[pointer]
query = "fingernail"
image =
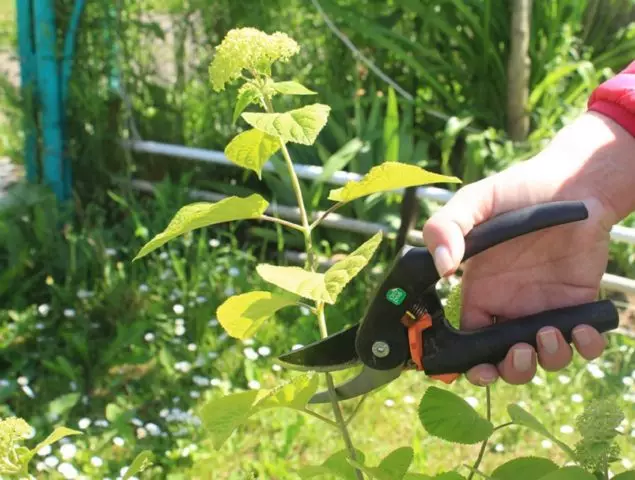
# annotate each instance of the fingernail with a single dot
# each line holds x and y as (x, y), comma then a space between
(522, 359)
(485, 378)
(581, 336)
(548, 340)
(443, 260)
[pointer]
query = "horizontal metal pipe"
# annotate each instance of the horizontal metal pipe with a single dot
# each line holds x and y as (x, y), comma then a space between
(619, 233)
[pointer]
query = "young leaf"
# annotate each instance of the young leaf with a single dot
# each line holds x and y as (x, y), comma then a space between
(246, 95)
(203, 214)
(447, 416)
(524, 468)
(251, 149)
(301, 125)
(292, 88)
(568, 473)
(342, 272)
(526, 419)
(393, 467)
(221, 416)
(55, 436)
(391, 128)
(295, 280)
(388, 176)
(242, 315)
(320, 287)
(139, 464)
(336, 465)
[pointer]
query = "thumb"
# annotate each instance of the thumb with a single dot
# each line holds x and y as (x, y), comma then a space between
(444, 231)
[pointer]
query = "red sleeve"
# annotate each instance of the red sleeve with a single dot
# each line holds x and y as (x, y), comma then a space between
(615, 98)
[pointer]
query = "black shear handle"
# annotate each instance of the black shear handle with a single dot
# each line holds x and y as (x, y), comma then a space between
(515, 223)
(456, 351)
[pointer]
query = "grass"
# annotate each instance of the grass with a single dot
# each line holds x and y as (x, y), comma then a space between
(125, 352)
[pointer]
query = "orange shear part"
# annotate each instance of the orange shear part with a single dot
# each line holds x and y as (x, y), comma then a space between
(415, 339)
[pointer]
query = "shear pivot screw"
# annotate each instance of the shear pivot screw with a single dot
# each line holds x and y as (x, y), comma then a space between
(380, 349)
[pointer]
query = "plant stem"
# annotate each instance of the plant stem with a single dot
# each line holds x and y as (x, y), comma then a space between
(357, 407)
(326, 214)
(321, 417)
(306, 228)
(295, 226)
(479, 459)
(339, 418)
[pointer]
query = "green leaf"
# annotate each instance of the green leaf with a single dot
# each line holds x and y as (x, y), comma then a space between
(388, 176)
(221, 416)
(292, 88)
(139, 464)
(242, 315)
(391, 128)
(245, 97)
(251, 149)
(526, 419)
(440, 476)
(203, 214)
(393, 467)
(447, 416)
(63, 404)
(568, 473)
(524, 468)
(342, 272)
(629, 475)
(321, 287)
(336, 465)
(301, 125)
(56, 436)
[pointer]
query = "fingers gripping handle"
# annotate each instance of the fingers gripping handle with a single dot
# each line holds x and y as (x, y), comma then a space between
(457, 351)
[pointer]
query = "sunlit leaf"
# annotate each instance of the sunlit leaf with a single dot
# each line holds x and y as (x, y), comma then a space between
(245, 97)
(296, 280)
(242, 315)
(291, 88)
(301, 125)
(388, 176)
(221, 416)
(55, 436)
(524, 468)
(393, 467)
(568, 473)
(448, 416)
(629, 475)
(321, 287)
(336, 465)
(251, 149)
(203, 214)
(342, 272)
(526, 419)
(139, 464)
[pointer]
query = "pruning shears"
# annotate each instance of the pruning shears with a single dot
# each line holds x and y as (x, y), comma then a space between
(405, 328)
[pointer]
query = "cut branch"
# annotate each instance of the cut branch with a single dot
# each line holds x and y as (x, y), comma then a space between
(518, 70)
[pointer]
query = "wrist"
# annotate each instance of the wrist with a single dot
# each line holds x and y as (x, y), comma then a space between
(595, 156)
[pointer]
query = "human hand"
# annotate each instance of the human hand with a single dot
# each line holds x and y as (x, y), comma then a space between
(552, 268)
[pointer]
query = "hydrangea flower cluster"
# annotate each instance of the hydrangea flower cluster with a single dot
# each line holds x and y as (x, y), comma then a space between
(249, 49)
(12, 431)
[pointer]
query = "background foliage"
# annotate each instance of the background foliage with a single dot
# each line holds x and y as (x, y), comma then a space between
(125, 352)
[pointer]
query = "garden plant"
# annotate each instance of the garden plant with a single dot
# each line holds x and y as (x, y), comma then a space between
(249, 55)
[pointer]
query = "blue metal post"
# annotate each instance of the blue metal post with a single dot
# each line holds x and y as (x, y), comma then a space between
(48, 82)
(28, 75)
(66, 68)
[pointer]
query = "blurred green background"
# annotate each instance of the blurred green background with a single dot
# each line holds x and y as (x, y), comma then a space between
(84, 331)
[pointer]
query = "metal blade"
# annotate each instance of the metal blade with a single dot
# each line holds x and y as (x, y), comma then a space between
(335, 352)
(367, 381)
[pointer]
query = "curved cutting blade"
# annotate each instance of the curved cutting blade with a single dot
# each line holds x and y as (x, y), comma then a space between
(335, 352)
(367, 381)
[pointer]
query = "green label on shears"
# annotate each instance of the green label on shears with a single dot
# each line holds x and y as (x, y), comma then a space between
(396, 296)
